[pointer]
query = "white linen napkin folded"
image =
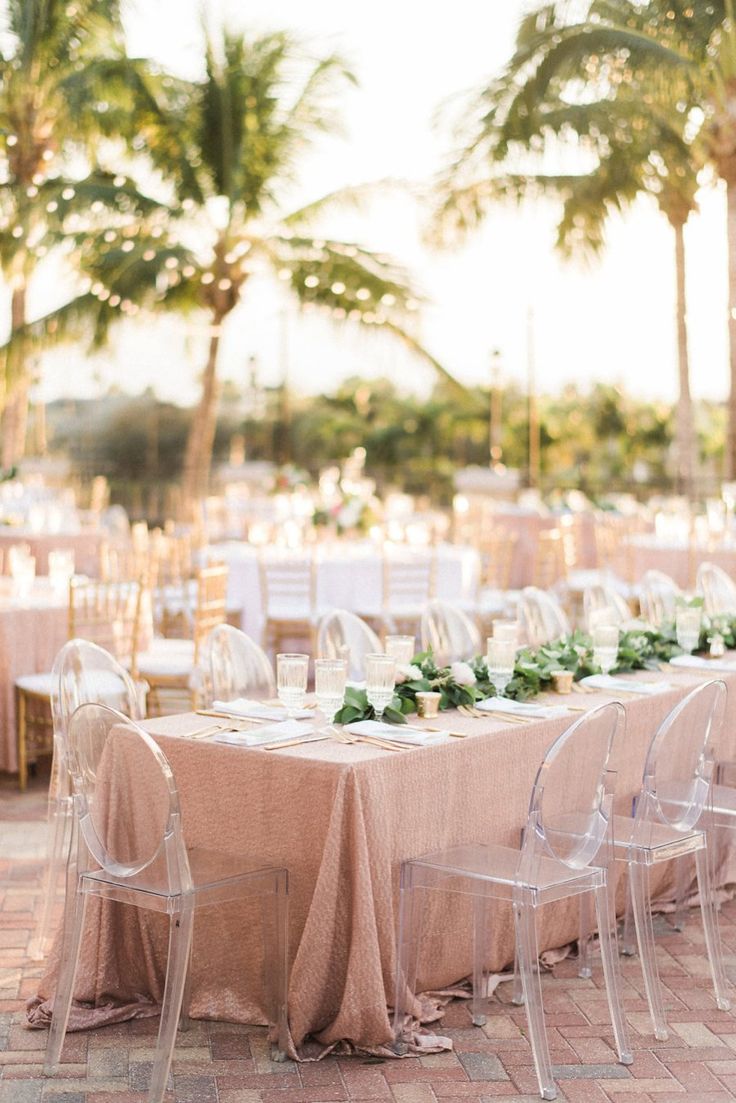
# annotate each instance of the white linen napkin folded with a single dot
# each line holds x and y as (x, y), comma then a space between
(398, 733)
(256, 710)
(697, 662)
(272, 733)
(622, 685)
(521, 708)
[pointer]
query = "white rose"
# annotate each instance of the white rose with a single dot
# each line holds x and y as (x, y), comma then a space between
(462, 674)
(409, 673)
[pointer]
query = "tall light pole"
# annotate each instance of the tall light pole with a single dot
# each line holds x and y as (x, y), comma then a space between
(496, 411)
(533, 410)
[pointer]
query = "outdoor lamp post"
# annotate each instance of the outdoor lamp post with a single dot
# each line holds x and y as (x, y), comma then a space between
(496, 410)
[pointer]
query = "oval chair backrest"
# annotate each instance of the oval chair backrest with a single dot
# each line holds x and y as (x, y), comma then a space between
(679, 763)
(84, 672)
(658, 597)
(604, 605)
(542, 617)
(571, 801)
(126, 801)
(717, 588)
(236, 665)
(339, 629)
(449, 633)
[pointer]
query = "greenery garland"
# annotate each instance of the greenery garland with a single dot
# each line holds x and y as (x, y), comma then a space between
(640, 648)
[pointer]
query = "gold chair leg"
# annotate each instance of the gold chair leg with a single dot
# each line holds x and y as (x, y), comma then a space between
(22, 729)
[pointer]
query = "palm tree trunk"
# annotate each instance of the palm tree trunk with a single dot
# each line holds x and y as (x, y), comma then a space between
(684, 430)
(730, 464)
(198, 454)
(15, 410)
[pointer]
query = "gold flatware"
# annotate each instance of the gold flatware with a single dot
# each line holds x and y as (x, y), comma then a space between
(511, 717)
(317, 738)
(202, 733)
(235, 716)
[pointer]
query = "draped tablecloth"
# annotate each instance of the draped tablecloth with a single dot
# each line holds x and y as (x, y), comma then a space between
(341, 818)
(85, 545)
(31, 632)
(349, 576)
(679, 559)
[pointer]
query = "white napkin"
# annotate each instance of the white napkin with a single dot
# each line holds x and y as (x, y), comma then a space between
(521, 708)
(272, 733)
(697, 662)
(621, 685)
(256, 710)
(398, 733)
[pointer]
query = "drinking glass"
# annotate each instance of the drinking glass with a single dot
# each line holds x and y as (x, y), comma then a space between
(400, 648)
(61, 568)
(506, 630)
(23, 571)
(605, 646)
(688, 620)
(291, 680)
(380, 678)
(330, 677)
(500, 660)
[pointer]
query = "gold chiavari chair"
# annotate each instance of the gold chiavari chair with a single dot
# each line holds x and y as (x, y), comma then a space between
(289, 598)
(497, 551)
(106, 613)
(549, 559)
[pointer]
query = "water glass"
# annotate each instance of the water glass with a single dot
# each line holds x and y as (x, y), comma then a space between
(23, 571)
(500, 660)
(605, 646)
(506, 630)
(291, 680)
(380, 679)
(688, 620)
(400, 648)
(330, 677)
(61, 568)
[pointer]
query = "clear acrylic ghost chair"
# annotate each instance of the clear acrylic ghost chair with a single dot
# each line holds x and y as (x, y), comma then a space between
(672, 812)
(602, 603)
(142, 860)
(542, 617)
(658, 596)
(717, 588)
(235, 666)
(82, 672)
(565, 852)
(450, 634)
(340, 629)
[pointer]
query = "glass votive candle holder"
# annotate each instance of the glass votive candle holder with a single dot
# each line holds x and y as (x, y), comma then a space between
(428, 704)
(400, 648)
(506, 630)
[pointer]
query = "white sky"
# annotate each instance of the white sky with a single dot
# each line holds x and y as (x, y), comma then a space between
(611, 321)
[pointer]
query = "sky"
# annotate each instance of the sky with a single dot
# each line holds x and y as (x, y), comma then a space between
(611, 320)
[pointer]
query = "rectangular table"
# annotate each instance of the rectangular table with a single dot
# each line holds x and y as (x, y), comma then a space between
(341, 818)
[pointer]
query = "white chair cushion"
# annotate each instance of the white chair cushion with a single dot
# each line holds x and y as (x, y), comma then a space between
(167, 658)
(36, 683)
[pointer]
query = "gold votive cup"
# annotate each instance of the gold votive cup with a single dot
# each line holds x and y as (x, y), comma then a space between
(428, 704)
(562, 680)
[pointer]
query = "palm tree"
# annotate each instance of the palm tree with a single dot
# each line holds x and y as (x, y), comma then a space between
(680, 55)
(59, 67)
(226, 150)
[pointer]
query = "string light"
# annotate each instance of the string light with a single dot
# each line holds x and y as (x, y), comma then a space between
(109, 235)
(48, 155)
(338, 288)
(311, 281)
(11, 140)
(284, 273)
(207, 277)
(171, 262)
(149, 254)
(127, 246)
(114, 300)
(32, 192)
(362, 294)
(388, 299)
(225, 285)
(68, 193)
(188, 271)
(118, 181)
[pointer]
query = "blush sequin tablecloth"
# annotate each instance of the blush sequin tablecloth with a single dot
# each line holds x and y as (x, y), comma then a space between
(341, 818)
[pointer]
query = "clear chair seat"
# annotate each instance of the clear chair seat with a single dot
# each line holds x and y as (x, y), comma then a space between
(214, 875)
(661, 842)
(499, 867)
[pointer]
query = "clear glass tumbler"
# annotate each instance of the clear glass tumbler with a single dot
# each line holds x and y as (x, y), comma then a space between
(330, 677)
(688, 620)
(605, 646)
(292, 671)
(500, 660)
(380, 679)
(400, 648)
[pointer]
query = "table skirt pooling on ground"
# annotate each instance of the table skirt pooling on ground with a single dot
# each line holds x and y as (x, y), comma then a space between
(341, 819)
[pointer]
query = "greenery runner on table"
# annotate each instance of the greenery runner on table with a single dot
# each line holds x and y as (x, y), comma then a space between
(640, 648)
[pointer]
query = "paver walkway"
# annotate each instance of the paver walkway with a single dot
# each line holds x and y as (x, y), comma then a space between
(224, 1063)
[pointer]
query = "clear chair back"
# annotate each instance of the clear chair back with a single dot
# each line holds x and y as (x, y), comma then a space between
(340, 629)
(571, 800)
(679, 763)
(450, 634)
(103, 744)
(601, 600)
(84, 672)
(717, 588)
(658, 597)
(236, 665)
(542, 617)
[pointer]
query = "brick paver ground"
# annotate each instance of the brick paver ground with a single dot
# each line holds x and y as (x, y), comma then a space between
(226, 1063)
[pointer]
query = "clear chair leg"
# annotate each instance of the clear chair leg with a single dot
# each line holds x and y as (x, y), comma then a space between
(710, 928)
(682, 883)
(517, 992)
(584, 936)
(60, 813)
(73, 927)
(642, 907)
(481, 906)
(407, 954)
(185, 1023)
(180, 940)
(275, 926)
(628, 937)
(609, 954)
(528, 950)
